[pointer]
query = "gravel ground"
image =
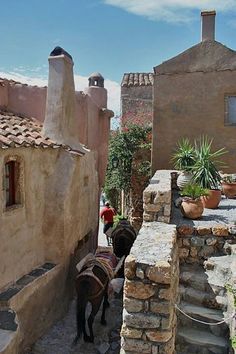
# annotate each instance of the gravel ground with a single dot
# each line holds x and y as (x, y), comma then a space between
(224, 214)
(59, 338)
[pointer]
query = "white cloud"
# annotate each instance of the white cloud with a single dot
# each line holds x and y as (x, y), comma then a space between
(81, 82)
(171, 10)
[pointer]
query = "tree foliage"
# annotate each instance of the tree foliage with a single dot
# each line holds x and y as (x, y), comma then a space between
(123, 145)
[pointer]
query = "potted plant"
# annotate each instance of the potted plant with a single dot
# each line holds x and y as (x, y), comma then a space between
(192, 205)
(205, 171)
(183, 159)
(229, 186)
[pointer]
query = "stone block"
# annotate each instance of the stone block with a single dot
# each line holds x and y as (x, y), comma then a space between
(160, 307)
(159, 336)
(130, 267)
(197, 241)
(155, 349)
(211, 241)
(131, 332)
(180, 242)
(220, 230)
(193, 252)
(138, 290)
(161, 218)
(167, 210)
(151, 208)
(148, 217)
(206, 251)
(169, 347)
(183, 252)
(140, 273)
(203, 231)
(185, 230)
(136, 346)
(186, 242)
(165, 294)
(141, 320)
(146, 197)
(160, 273)
(133, 305)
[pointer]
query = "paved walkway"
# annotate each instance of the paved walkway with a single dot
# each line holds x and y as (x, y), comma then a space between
(59, 338)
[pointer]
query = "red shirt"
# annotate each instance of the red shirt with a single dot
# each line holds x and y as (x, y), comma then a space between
(107, 214)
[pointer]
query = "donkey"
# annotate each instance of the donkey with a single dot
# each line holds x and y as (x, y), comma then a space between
(95, 273)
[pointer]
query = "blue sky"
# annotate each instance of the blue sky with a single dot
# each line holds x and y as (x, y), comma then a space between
(109, 36)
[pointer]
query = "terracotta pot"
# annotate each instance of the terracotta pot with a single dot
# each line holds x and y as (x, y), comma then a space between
(183, 179)
(212, 200)
(229, 189)
(192, 208)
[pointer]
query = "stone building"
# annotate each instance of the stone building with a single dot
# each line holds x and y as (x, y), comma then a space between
(136, 98)
(194, 94)
(189, 95)
(52, 168)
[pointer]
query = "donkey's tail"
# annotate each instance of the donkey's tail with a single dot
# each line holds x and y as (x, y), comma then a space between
(82, 300)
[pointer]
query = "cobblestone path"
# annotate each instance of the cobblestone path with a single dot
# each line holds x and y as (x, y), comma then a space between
(60, 337)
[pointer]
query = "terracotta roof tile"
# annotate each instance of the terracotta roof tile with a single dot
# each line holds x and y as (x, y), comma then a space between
(137, 79)
(16, 131)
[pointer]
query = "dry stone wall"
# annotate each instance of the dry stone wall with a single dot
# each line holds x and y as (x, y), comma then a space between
(151, 272)
(197, 244)
(157, 198)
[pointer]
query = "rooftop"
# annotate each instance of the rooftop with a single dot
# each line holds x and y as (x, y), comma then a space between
(17, 131)
(137, 79)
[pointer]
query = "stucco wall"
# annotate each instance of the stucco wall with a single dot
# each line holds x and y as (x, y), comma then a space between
(59, 189)
(190, 105)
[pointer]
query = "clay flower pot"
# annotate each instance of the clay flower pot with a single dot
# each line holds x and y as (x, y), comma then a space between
(229, 189)
(192, 208)
(183, 179)
(212, 200)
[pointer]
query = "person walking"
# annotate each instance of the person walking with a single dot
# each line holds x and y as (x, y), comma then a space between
(107, 214)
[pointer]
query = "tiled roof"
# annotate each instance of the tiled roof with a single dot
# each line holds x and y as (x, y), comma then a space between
(137, 79)
(16, 131)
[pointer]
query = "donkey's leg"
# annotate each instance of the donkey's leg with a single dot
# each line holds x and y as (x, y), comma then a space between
(95, 307)
(105, 305)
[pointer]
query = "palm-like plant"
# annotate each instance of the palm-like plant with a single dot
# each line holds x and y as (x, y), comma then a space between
(205, 169)
(184, 156)
(194, 191)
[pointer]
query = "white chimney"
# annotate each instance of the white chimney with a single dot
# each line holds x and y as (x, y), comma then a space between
(208, 25)
(60, 122)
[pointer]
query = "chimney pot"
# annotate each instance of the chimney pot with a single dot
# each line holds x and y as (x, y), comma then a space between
(208, 25)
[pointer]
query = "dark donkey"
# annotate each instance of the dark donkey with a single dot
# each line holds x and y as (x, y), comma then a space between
(95, 273)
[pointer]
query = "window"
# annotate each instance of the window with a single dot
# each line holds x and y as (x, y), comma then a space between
(230, 110)
(11, 182)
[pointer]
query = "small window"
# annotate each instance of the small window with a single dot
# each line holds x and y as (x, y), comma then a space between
(230, 110)
(11, 183)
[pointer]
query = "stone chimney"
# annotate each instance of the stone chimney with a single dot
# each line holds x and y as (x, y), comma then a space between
(60, 122)
(96, 90)
(208, 25)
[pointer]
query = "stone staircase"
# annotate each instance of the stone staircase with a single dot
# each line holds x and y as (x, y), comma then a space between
(203, 302)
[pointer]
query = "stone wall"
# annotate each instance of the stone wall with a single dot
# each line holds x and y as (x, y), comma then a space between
(197, 244)
(157, 198)
(136, 105)
(151, 272)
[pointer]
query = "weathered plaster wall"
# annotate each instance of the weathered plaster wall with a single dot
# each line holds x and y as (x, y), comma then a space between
(190, 105)
(59, 190)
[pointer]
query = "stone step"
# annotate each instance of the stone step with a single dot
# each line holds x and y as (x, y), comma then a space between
(194, 341)
(194, 278)
(198, 297)
(203, 314)
(8, 332)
